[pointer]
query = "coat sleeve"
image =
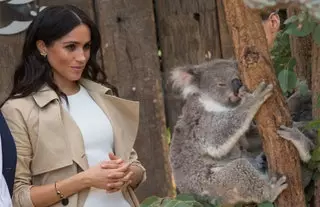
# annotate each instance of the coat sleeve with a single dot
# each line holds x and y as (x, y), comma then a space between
(133, 159)
(18, 128)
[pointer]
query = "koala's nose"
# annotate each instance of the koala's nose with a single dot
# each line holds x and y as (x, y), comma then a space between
(236, 85)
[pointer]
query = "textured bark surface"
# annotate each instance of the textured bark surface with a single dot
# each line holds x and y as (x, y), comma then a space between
(225, 38)
(255, 65)
(301, 51)
(129, 52)
(188, 33)
(315, 65)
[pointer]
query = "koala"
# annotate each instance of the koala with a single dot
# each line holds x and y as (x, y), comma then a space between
(301, 142)
(300, 108)
(206, 152)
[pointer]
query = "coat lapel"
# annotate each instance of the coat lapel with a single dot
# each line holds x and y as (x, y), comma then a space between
(124, 125)
(75, 139)
(123, 115)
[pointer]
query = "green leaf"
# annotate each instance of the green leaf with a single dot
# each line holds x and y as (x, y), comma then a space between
(303, 87)
(185, 197)
(316, 34)
(313, 124)
(300, 30)
(176, 203)
(149, 201)
(316, 155)
(265, 204)
(288, 80)
(291, 19)
(292, 62)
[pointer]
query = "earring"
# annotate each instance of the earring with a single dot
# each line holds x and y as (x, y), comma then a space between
(43, 54)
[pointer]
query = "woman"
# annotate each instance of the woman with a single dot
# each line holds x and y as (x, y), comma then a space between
(65, 124)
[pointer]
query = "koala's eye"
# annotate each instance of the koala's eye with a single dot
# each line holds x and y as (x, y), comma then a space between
(222, 84)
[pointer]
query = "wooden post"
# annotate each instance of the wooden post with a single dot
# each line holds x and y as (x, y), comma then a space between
(315, 65)
(255, 65)
(188, 33)
(129, 53)
(225, 38)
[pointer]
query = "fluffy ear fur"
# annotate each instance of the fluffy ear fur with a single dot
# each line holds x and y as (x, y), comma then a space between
(185, 79)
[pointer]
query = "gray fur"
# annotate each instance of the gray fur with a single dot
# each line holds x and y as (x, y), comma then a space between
(206, 153)
(300, 107)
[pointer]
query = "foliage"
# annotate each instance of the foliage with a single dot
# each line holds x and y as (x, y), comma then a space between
(284, 65)
(311, 6)
(301, 25)
(186, 200)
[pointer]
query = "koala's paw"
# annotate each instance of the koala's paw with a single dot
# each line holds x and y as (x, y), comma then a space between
(277, 186)
(263, 90)
(260, 88)
(288, 133)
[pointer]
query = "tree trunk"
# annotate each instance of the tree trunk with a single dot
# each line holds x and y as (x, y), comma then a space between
(301, 51)
(251, 51)
(315, 60)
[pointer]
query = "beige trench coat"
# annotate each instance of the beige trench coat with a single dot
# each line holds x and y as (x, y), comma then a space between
(50, 146)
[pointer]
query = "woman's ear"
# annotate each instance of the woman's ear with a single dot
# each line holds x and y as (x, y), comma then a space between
(42, 48)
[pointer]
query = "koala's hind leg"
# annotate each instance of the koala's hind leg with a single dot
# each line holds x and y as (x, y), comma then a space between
(239, 181)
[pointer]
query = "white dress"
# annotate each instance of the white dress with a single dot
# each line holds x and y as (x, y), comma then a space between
(97, 136)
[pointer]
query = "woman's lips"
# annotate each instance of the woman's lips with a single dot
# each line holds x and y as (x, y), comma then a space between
(77, 67)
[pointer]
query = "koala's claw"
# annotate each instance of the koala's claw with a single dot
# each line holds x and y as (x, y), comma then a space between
(263, 90)
(277, 187)
(287, 133)
(260, 88)
(273, 180)
(281, 181)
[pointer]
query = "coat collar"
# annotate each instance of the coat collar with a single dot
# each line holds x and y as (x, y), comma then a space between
(46, 94)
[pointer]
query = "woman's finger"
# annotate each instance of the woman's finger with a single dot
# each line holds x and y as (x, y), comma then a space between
(109, 165)
(115, 158)
(112, 190)
(118, 184)
(116, 175)
(127, 177)
(124, 167)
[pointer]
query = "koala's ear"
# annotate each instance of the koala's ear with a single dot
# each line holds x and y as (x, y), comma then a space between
(185, 79)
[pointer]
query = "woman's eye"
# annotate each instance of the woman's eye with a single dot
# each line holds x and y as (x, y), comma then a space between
(71, 47)
(221, 84)
(87, 46)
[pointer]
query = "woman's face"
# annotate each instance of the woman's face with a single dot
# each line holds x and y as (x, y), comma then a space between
(69, 55)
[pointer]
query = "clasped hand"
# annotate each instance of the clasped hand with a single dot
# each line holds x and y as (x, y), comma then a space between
(110, 175)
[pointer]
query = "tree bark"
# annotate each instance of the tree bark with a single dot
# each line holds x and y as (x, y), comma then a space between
(301, 51)
(251, 51)
(315, 65)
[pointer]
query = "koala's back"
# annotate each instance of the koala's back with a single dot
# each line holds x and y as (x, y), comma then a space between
(183, 145)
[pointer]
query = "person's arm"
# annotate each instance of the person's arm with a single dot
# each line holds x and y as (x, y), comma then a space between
(25, 194)
(139, 172)
(5, 199)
